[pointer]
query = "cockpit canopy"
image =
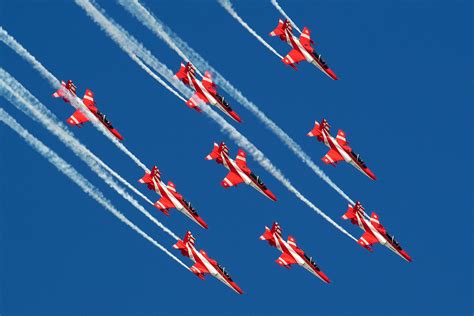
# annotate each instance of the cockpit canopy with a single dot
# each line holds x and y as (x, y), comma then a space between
(310, 259)
(320, 59)
(358, 158)
(223, 102)
(104, 119)
(259, 181)
(224, 272)
(71, 87)
(393, 241)
(191, 208)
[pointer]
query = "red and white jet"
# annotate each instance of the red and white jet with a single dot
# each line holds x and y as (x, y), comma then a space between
(292, 254)
(302, 49)
(203, 263)
(79, 118)
(170, 198)
(238, 170)
(374, 231)
(205, 90)
(339, 149)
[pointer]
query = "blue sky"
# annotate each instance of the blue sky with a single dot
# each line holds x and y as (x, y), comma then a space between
(404, 98)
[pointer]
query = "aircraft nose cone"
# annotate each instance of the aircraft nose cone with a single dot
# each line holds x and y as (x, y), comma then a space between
(271, 195)
(371, 174)
(202, 223)
(237, 288)
(406, 256)
(117, 134)
(235, 117)
(332, 74)
(324, 277)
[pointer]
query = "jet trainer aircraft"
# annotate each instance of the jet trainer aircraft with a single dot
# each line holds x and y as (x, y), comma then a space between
(205, 90)
(79, 118)
(170, 198)
(338, 148)
(302, 49)
(238, 170)
(292, 254)
(374, 231)
(203, 263)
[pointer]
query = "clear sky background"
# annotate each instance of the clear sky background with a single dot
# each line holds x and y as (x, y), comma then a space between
(404, 98)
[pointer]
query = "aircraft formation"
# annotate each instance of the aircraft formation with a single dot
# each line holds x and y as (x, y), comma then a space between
(205, 91)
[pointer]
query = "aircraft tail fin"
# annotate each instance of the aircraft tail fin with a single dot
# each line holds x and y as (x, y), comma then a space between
(148, 177)
(188, 239)
(353, 210)
(216, 151)
(276, 228)
(318, 128)
(316, 131)
(268, 234)
(280, 29)
(60, 93)
(350, 213)
(182, 73)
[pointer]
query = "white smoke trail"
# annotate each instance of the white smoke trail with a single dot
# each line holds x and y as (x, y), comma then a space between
(154, 76)
(77, 178)
(188, 54)
(258, 156)
(20, 97)
(280, 9)
(227, 5)
(123, 39)
(55, 83)
(135, 8)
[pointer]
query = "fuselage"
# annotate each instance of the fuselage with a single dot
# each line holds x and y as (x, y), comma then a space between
(178, 202)
(215, 270)
(381, 236)
(332, 143)
(310, 57)
(232, 166)
(213, 100)
(94, 110)
(301, 260)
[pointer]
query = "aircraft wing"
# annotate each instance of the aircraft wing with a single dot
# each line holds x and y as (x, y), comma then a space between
(341, 138)
(88, 98)
(332, 157)
(193, 101)
(208, 83)
(292, 242)
(163, 204)
(193, 104)
(367, 240)
(172, 187)
(293, 57)
(305, 39)
(77, 118)
(241, 159)
(231, 179)
(285, 260)
(199, 270)
(374, 219)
